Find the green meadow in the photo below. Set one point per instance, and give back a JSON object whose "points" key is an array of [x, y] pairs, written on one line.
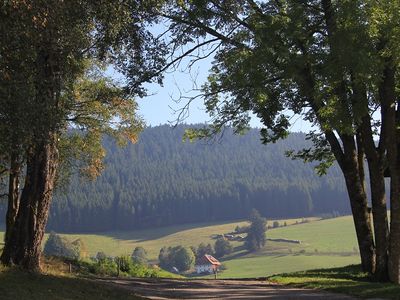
{"points": [[324, 244]]}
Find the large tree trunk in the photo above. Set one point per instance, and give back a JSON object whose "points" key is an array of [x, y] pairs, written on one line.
{"points": [[24, 246], [375, 156], [361, 217], [13, 194], [381, 228], [389, 124]]}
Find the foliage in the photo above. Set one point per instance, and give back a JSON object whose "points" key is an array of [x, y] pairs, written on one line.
{"points": [[139, 255], [222, 247], [81, 247], [101, 256], [180, 257], [61, 247], [241, 229], [203, 249], [275, 224], [59, 286], [134, 191], [48, 49], [255, 238]]}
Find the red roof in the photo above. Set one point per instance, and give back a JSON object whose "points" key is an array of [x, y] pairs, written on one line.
{"points": [[208, 259]]}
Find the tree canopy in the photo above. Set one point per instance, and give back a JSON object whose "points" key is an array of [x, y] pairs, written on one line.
{"points": [[333, 63], [48, 85]]}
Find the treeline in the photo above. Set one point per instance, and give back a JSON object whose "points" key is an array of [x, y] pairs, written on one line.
{"points": [[162, 181]]}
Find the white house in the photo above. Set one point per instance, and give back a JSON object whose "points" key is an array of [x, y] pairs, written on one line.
{"points": [[207, 264]]}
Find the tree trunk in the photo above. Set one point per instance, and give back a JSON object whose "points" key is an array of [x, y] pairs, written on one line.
{"points": [[362, 219], [378, 196], [25, 243], [389, 123], [379, 212], [13, 194]]}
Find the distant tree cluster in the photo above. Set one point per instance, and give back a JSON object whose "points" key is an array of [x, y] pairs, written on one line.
{"points": [[139, 256], [179, 257], [202, 250], [256, 239], [59, 246], [222, 247]]}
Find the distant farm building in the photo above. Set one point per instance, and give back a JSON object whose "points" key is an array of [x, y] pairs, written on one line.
{"points": [[207, 264]]}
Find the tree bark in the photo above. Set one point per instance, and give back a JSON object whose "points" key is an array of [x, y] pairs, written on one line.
{"points": [[378, 197], [24, 246], [359, 205], [389, 125], [13, 194], [379, 213]]}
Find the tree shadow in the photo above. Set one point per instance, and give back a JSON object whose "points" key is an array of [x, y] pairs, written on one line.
{"points": [[143, 235]]}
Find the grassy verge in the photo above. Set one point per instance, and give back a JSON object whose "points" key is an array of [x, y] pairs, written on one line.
{"points": [[15, 284], [346, 280]]}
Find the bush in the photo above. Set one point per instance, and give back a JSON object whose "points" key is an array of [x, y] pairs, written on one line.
{"points": [[61, 247], [124, 263], [222, 247], [80, 247], [243, 229], [275, 224], [255, 239], [105, 267], [203, 249], [139, 256], [180, 257], [101, 256]]}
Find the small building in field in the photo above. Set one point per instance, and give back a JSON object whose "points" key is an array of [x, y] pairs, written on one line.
{"points": [[207, 264]]}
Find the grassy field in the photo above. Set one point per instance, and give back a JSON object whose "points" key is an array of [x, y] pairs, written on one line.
{"points": [[324, 243], [21, 285], [249, 267], [123, 243], [347, 280]]}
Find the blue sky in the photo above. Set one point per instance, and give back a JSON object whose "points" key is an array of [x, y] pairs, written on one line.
{"points": [[161, 105]]}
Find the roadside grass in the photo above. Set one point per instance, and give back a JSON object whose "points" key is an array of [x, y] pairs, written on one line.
{"points": [[348, 280], [15, 284]]}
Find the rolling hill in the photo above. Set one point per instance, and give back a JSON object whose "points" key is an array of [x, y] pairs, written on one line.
{"points": [[163, 181]]}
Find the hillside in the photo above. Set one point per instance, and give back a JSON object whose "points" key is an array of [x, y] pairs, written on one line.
{"points": [[324, 243], [164, 181]]}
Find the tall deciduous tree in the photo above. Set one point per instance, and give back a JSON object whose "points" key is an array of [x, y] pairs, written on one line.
{"points": [[335, 63], [44, 50], [255, 239]]}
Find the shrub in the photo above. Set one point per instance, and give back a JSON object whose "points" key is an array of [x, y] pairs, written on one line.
{"points": [[242, 229], [180, 257], [222, 247], [255, 239], [203, 249], [81, 249], [275, 224], [60, 247], [105, 267], [139, 256], [101, 256]]}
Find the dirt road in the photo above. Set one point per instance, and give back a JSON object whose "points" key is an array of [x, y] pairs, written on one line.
{"points": [[217, 289]]}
